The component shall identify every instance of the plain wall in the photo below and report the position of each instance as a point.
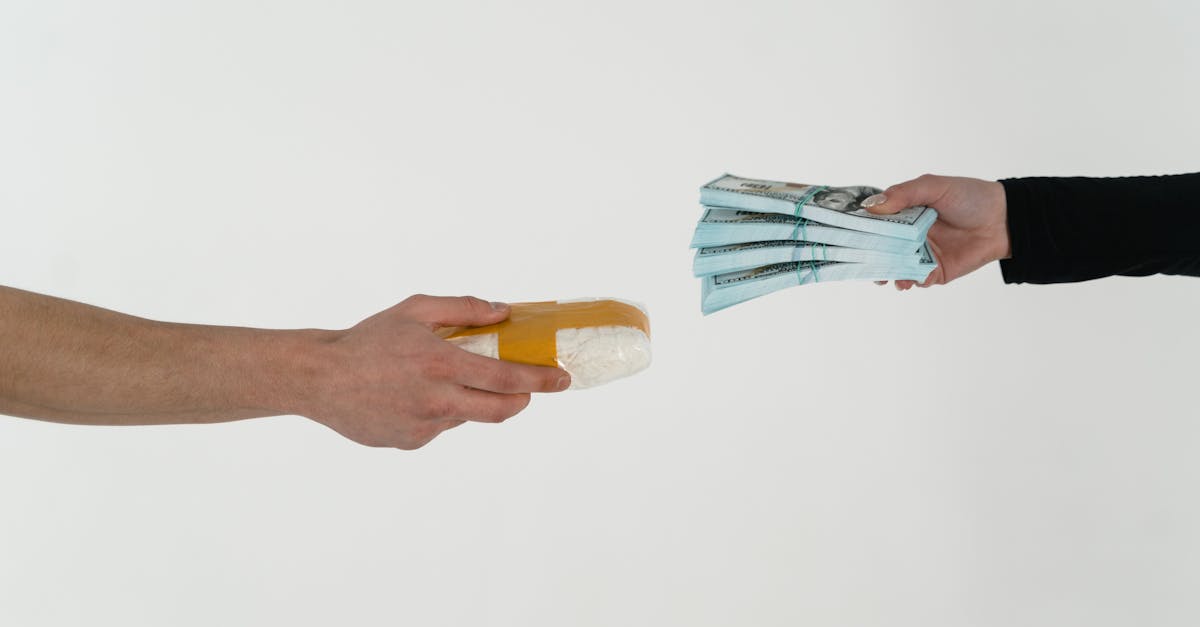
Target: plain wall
(838, 454)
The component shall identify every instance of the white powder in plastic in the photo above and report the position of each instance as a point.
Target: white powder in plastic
(592, 355)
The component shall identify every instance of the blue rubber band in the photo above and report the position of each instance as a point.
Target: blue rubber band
(812, 261)
(801, 222)
(802, 230)
(824, 258)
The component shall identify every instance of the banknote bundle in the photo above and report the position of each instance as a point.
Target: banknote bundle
(755, 237)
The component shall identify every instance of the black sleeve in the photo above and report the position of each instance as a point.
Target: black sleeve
(1076, 229)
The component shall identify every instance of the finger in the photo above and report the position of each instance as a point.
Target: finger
(454, 311)
(881, 283)
(926, 189)
(904, 285)
(505, 377)
(481, 406)
(937, 276)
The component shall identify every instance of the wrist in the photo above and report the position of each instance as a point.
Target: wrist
(1002, 243)
(283, 370)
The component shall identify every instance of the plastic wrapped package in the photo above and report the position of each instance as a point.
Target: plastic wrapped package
(595, 340)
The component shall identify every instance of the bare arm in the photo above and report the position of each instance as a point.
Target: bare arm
(388, 381)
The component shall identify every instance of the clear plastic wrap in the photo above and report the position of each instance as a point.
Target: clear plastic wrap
(596, 340)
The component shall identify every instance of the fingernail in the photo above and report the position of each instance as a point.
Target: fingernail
(871, 201)
(564, 382)
(499, 306)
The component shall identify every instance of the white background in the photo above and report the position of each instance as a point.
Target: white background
(977, 454)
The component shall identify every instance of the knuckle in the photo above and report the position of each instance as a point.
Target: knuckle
(928, 179)
(427, 434)
(511, 406)
(475, 305)
(412, 305)
(438, 408)
(376, 441)
(520, 403)
(410, 445)
(417, 436)
(436, 367)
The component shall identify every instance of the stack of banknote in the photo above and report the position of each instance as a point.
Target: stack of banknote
(756, 237)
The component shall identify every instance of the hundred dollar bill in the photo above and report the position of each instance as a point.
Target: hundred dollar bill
(836, 206)
(720, 227)
(712, 260)
(724, 290)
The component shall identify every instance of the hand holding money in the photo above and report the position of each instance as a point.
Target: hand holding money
(757, 236)
(971, 230)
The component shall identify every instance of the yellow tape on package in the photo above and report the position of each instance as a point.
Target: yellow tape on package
(596, 340)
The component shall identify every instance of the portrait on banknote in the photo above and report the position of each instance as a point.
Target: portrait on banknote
(844, 199)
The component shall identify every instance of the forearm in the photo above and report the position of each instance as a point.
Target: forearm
(69, 362)
(1075, 228)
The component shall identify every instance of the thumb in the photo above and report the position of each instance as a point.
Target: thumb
(926, 189)
(454, 311)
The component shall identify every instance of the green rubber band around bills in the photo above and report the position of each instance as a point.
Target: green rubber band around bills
(802, 231)
(812, 262)
(800, 221)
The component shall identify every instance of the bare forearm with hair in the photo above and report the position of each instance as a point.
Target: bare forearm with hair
(65, 361)
(388, 381)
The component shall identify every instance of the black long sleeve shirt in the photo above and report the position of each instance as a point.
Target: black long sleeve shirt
(1077, 228)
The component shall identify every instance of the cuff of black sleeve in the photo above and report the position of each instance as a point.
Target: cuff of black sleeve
(1018, 197)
